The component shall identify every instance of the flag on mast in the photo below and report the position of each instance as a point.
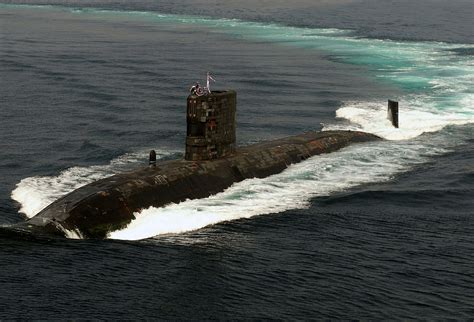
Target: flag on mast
(208, 79)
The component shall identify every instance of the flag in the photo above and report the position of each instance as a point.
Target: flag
(209, 77)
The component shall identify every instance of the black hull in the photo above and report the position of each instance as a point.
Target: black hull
(109, 204)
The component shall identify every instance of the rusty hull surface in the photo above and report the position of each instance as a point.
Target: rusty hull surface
(109, 204)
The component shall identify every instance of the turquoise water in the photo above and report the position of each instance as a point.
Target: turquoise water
(433, 76)
(376, 231)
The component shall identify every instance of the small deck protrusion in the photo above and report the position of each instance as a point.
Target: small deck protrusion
(392, 112)
(152, 161)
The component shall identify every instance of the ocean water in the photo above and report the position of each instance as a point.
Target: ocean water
(380, 230)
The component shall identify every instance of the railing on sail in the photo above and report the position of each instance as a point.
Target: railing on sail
(196, 89)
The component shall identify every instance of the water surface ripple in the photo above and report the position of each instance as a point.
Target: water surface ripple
(373, 231)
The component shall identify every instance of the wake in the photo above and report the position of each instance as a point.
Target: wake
(437, 94)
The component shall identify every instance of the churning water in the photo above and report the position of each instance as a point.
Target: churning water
(374, 230)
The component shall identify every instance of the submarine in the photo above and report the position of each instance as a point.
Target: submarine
(211, 163)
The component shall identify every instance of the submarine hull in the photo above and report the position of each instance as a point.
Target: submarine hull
(96, 209)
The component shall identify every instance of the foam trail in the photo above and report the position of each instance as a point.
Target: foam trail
(35, 193)
(318, 176)
(435, 83)
(372, 117)
(431, 73)
(434, 78)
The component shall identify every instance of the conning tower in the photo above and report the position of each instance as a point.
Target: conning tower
(210, 125)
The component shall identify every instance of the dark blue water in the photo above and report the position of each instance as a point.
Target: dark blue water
(376, 231)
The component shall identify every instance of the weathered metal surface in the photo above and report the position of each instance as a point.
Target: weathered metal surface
(109, 204)
(210, 125)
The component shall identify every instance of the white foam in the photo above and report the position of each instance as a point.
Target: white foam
(325, 174)
(442, 80)
(413, 121)
(318, 176)
(35, 193)
(72, 234)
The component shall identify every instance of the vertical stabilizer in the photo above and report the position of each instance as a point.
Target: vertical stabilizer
(392, 112)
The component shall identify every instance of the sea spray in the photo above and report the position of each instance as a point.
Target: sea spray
(371, 117)
(320, 175)
(432, 78)
(35, 193)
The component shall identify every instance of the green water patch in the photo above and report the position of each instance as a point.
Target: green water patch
(433, 69)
